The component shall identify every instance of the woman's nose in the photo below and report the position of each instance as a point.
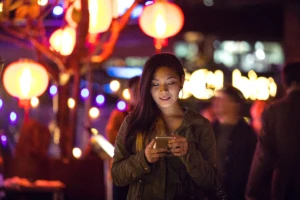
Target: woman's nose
(163, 88)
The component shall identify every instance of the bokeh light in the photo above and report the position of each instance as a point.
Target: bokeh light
(121, 105)
(13, 117)
(126, 94)
(34, 102)
(114, 85)
(94, 112)
(85, 93)
(100, 99)
(53, 90)
(76, 152)
(58, 10)
(71, 103)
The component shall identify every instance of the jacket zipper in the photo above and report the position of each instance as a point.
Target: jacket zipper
(141, 187)
(178, 188)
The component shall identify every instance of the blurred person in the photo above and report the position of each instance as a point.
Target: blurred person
(277, 156)
(208, 112)
(152, 174)
(117, 116)
(114, 123)
(31, 152)
(256, 111)
(34, 140)
(235, 141)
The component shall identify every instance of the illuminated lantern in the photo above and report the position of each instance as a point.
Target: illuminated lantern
(101, 14)
(63, 40)
(161, 20)
(25, 79)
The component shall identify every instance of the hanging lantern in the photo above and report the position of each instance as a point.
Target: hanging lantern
(25, 79)
(161, 20)
(63, 40)
(101, 14)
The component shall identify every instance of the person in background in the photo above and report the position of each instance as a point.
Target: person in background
(31, 153)
(235, 141)
(190, 167)
(117, 116)
(208, 112)
(277, 156)
(114, 123)
(256, 111)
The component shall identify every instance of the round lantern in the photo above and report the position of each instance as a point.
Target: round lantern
(161, 20)
(25, 79)
(63, 40)
(101, 14)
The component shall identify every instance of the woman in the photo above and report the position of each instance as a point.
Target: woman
(149, 172)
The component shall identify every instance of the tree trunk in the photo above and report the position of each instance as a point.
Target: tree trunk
(63, 120)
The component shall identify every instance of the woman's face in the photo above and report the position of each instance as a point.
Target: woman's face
(165, 87)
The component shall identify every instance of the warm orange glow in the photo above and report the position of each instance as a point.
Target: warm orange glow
(63, 40)
(160, 25)
(25, 79)
(101, 14)
(254, 87)
(161, 20)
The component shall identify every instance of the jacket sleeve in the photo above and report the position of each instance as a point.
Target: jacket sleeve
(127, 167)
(263, 161)
(200, 161)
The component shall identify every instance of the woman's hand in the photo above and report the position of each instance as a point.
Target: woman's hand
(153, 155)
(178, 145)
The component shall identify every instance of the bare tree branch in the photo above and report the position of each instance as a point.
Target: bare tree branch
(48, 54)
(49, 10)
(125, 17)
(81, 35)
(18, 34)
(15, 41)
(116, 27)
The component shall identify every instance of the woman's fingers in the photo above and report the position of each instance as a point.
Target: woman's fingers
(151, 144)
(153, 155)
(178, 146)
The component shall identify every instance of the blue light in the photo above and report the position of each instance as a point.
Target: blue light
(85, 93)
(13, 116)
(148, 3)
(124, 72)
(1, 103)
(53, 90)
(100, 99)
(137, 11)
(58, 10)
(107, 89)
(121, 105)
(3, 138)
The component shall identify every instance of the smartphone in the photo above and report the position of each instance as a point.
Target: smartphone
(161, 142)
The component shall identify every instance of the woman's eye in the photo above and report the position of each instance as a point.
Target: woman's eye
(154, 84)
(171, 83)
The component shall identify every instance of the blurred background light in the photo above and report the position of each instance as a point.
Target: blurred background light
(121, 105)
(34, 102)
(53, 90)
(58, 10)
(100, 99)
(85, 93)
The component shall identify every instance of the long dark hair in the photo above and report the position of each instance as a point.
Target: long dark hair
(146, 111)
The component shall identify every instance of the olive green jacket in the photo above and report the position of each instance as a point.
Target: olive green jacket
(171, 177)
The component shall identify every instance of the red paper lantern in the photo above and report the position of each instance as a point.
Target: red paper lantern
(25, 79)
(63, 40)
(161, 20)
(101, 14)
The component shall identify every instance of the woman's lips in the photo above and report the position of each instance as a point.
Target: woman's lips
(164, 98)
